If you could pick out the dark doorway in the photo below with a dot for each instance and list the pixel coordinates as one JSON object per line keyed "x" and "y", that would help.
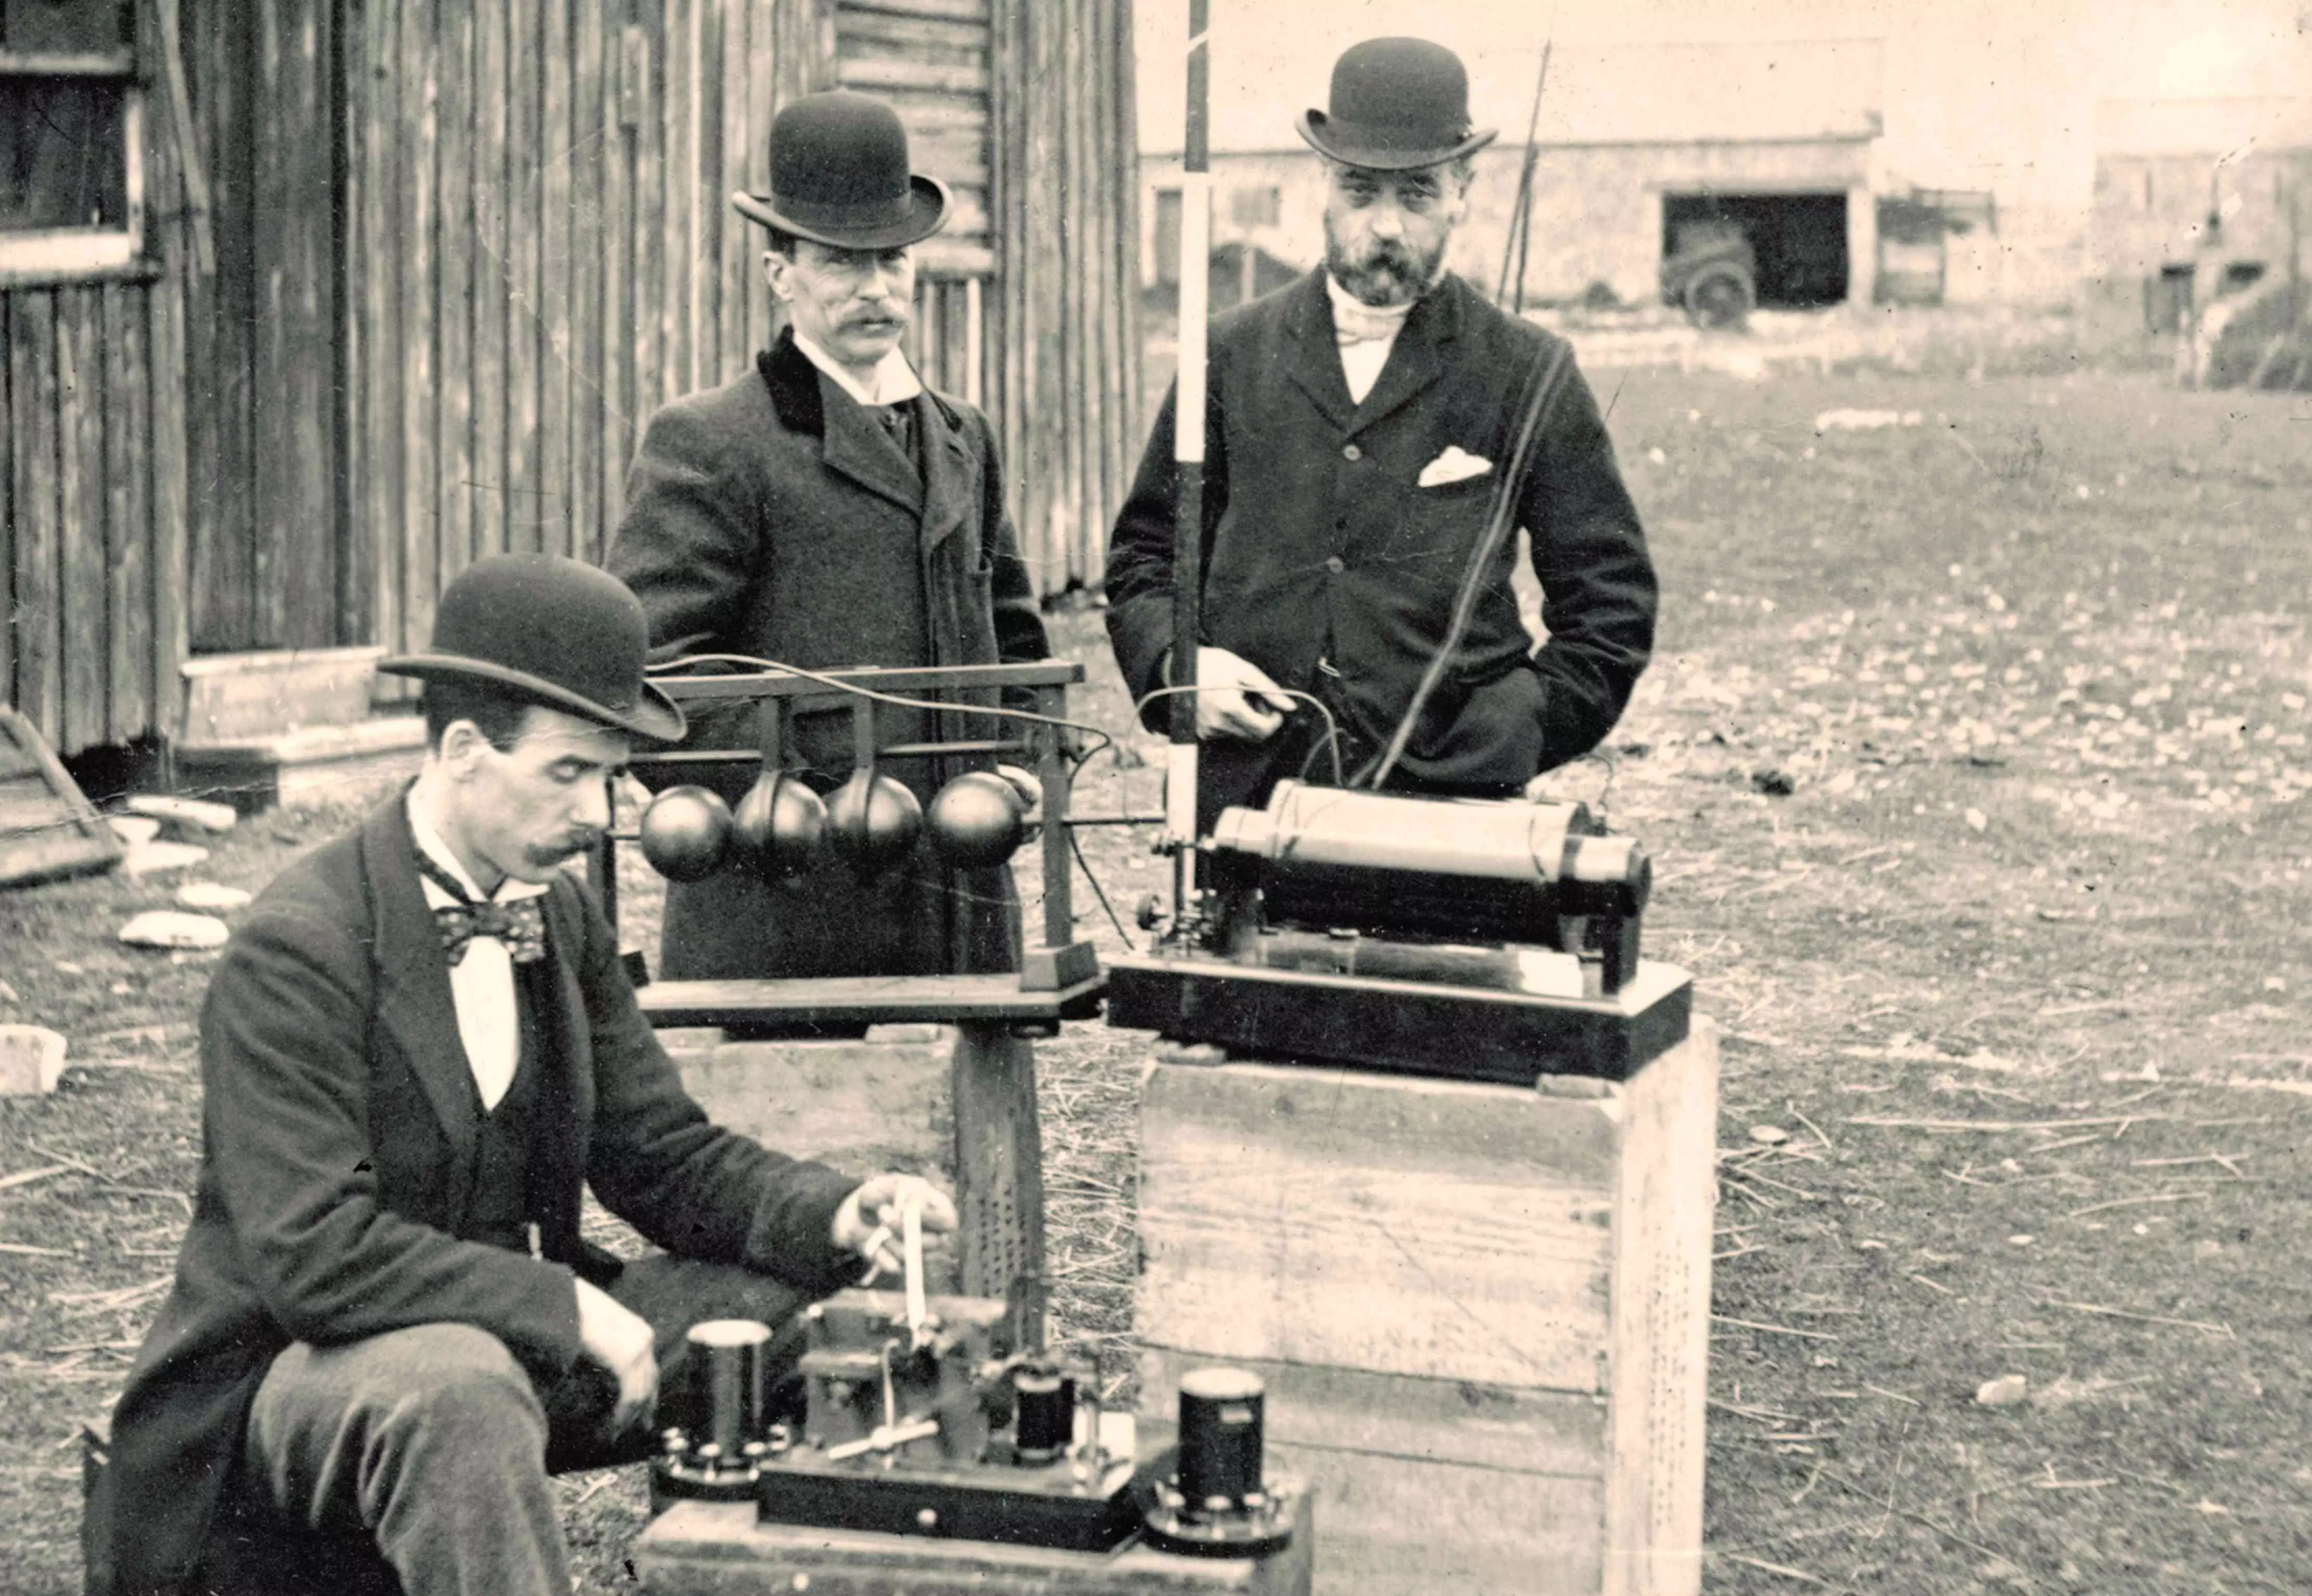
{"x": 1800, "y": 240}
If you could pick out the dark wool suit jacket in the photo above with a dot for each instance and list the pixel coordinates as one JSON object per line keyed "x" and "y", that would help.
{"x": 1320, "y": 545}
{"x": 761, "y": 518}
{"x": 338, "y": 1119}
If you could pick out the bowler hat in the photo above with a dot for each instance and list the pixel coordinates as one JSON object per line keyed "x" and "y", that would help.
{"x": 1396, "y": 105}
{"x": 840, "y": 177}
{"x": 550, "y": 631}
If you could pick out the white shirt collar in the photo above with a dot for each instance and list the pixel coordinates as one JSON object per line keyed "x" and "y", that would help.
{"x": 429, "y": 842}
{"x": 1376, "y": 322}
{"x": 896, "y": 381}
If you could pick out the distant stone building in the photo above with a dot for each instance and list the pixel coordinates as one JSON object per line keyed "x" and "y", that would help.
{"x": 2195, "y": 201}
{"x": 1633, "y": 141}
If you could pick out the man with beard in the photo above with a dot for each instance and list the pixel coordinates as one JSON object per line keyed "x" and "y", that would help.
{"x": 417, "y": 1053}
{"x": 1358, "y": 425}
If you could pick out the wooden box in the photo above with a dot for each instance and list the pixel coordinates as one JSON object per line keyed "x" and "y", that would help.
{"x": 1482, "y": 1311}
{"x": 957, "y": 1103}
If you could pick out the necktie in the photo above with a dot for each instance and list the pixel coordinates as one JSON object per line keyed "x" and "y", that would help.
{"x": 519, "y": 925}
{"x": 897, "y": 419}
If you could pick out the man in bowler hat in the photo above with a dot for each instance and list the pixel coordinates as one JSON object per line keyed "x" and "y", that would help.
{"x": 826, "y": 510}
{"x": 1359, "y": 424}
{"x": 419, "y": 1049}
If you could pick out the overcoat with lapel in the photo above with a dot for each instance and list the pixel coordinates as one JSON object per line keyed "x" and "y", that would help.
{"x": 774, "y": 517}
{"x": 1327, "y": 565}
{"x": 338, "y": 1119}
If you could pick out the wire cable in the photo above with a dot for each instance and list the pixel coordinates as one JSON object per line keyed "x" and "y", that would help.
{"x": 1332, "y": 738}
{"x": 1098, "y": 892}
{"x": 1547, "y": 382}
{"x": 1106, "y": 740}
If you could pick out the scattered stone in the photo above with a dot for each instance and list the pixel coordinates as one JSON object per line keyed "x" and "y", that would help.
{"x": 191, "y": 813}
{"x": 2275, "y": 983}
{"x": 1774, "y": 784}
{"x": 133, "y": 830}
{"x": 8, "y": 994}
{"x": 168, "y": 928}
{"x": 212, "y": 895}
{"x": 2005, "y": 1391}
{"x": 154, "y": 858}
{"x": 1849, "y": 420}
{"x": 31, "y": 1060}
{"x": 1771, "y": 1136}
{"x": 1976, "y": 820}
{"x": 2020, "y": 1241}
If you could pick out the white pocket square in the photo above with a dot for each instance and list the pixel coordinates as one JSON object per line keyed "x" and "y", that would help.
{"x": 1453, "y": 466}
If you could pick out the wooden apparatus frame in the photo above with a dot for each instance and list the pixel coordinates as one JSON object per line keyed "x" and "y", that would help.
{"x": 1058, "y": 979}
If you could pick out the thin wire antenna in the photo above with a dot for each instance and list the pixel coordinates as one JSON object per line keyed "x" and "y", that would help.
{"x": 1548, "y": 382}
{"x": 1189, "y": 456}
{"x": 1521, "y": 230}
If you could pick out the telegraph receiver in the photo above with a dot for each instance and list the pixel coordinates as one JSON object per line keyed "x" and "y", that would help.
{"x": 1482, "y": 939}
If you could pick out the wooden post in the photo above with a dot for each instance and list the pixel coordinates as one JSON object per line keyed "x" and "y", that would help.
{"x": 1482, "y": 1311}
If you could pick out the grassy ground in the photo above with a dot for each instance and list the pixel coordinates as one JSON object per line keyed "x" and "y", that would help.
{"x": 1974, "y": 759}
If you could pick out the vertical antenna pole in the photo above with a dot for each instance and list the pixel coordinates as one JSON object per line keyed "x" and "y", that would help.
{"x": 1189, "y": 456}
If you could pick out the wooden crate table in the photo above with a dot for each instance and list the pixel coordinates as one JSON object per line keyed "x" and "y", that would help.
{"x": 1482, "y": 1311}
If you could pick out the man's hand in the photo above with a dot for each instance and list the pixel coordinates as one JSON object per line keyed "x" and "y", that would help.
{"x": 619, "y": 1339}
{"x": 1236, "y": 698}
{"x": 867, "y": 1222}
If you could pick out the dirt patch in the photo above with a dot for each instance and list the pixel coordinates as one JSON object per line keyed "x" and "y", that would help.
{"x": 1974, "y": 759}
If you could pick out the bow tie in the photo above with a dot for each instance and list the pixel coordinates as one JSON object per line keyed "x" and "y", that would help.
{"x": 520, "y": 924}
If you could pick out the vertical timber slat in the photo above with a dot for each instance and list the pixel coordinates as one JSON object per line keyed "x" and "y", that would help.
{"x": 525, "y": 175}
{"x": 420, "y": 467}
{"x": 32, "y": 385}
{"x": 491, "y": 285}
{"x": 376, "y": 91}
{"x": 80, "y": 458}
{"x": 555, "y": 285}
{"x": 454, "y": 398}
{"x": 592, "y": 243}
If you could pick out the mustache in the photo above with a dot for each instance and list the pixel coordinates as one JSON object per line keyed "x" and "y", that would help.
{"x": 550, "y": 854}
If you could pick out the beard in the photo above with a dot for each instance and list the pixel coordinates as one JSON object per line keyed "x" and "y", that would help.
{"x": 1382, "y": 272}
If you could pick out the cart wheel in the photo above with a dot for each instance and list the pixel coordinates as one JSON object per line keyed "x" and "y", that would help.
{"x": 1719, "y": 296}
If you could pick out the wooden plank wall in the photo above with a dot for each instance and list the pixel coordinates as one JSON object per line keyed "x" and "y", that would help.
{"x": 540, "y": 252}
{"x": 1065, "y": 331}
{"x": 535, "y": 248}
{"x": 93, "y": 485}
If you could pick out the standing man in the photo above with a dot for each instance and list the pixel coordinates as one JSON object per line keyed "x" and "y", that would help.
{"x": 418, "y": 1051}
{"x": 1358, "y": 427}
{"x": 826, "y": 510}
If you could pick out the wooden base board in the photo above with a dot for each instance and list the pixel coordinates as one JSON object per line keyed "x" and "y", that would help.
{"x": 240, "y": 697}
{"x": 1467, "y": 1033}
{"x": 49, "y": 830}
{"x": 699, "y": 1549}
{"x": 320, "y": 764}
{"x": 1482, "y": 1312}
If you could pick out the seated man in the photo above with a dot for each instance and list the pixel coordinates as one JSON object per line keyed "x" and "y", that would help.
{"x": 417, "y": 1052}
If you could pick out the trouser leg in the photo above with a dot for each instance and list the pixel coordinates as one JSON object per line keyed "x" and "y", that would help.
{"x": 433, "y": 1442}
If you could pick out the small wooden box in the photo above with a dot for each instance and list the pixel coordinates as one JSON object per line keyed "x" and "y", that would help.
{"x": 1482, "y": 1311}
{"x": 955, "y": 1103}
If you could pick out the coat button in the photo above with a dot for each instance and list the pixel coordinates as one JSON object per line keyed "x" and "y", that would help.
{"x": 1352, "y": 453}
{"x": 1337, "y": 564}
